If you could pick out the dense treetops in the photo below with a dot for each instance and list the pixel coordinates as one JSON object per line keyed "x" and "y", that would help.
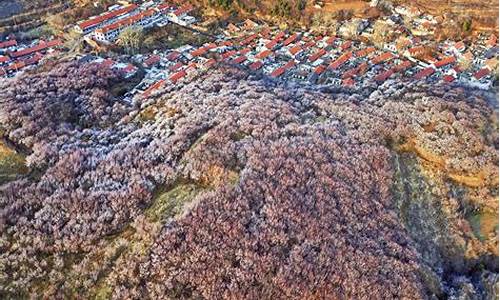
{"x": 294, "y": 198}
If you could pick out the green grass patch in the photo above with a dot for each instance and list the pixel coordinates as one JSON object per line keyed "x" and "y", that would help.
{"x": 170, "y": 37}
{"x": 169, "y": 203}
{"x": 12, "y": 164}
{"x": 483, "y": 224}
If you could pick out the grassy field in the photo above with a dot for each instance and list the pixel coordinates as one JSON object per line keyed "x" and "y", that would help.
{"x": 170, "y": 203}
{"x": 12, "y": 164}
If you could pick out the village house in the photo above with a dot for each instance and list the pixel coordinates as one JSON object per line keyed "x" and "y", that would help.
{"x": 110, "y": 33}
{"x": 42, "y": 46}
{"x": 8, "y": 44}
{"x": 152, "y": 61}
{"x": 126, "y": 70}
{"x": 87, "y": 26}
{"x": 180, "y": 16}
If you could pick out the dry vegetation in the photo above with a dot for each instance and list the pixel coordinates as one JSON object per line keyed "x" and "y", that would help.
{"x": 234, "y": 187}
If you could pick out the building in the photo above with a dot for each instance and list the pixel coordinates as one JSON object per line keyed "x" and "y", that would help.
{"x": 180, "y": 16}
{"x": 87, "y": 26}
{"x": 152, "y": 61}
{"x": 8, "y": 43}
{"x": 256, "y": 65}
{"x": 110, "y": 33}
{"x": 4, "y": 59}
{"x": 42, "y": 46}
{"x": 445, "y": 61}
{"x": 424, "y": 73}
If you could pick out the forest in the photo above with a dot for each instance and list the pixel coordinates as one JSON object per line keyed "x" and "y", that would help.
{"x": 234, "y": 187}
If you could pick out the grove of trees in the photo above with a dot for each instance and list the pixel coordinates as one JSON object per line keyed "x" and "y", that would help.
{"x": 295, "y": 189}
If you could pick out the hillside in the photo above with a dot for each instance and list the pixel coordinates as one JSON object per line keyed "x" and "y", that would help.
{"x": 484, "y": 14}
{"x": 235, "y": 187}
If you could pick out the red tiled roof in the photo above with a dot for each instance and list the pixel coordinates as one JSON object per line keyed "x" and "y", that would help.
{"x": 448, "y": 78}
{"x": 362, "y": 68}
{"x": 279, "y": 36}
{"x": 445, "y": 61}
{"x": 296, "y": 49}
{"x": 264, "y": 54}
{"x": 176, "y": 67}
{"x": 106, "y": 16}
{"x": 309, "y": 44}
{"x": 481, "y": 73}
{"x": 173, "y": 55}
{"x": 7, "y": 44}
{"x": 249, "y": 39}
{"x": 228, "y": 54}
{"x": 271, "y": 44}
{"x": 17, "y": 65}
{"x": 129, "y": 68}
{"x": 382, "y": 57}
{"x": 183, "y": 10}
{"x": 317, "y": 55}
{"x": 424, "y": 73}
{"x": 209, "y": 63}
{"x": 163, "y": 6}
{"x": 211, "y": 46}
{"x": 291, "y": 39}
{"x": 402, "y": 66}
{"x": 348, "y": 82}
{"x": 256, "y": 65}
{"x": 365, "y": 52}
{"x": 319, "y": 69}
{"x": 127, "y": 21}
{"x": 107, "y": 63}
{"x": 350, "y": 73}
{"x": 2, "y": 72}
{"x": 199, "y": 52}
{"x": 152, "y": 88}
{"x": 341, "y": 60}
{"x": 191, "y": 66}
{"x": 265, "y": 32}
{"x": 4, "y": 58}
{"x": 34, "y": 59}
{"x": 176, "y": 76}
{"x": 244, "y": 51}
{"x": 152, "y": 60}
{"x": 330, "y": 41}
{"x": 346, "y": 45}
{"x": 384, "y": 75}
{"x": 238, "y": 60}
{"x": 289, "y": 65}
{"x": 40, "y": 47}
{"x": 278, "y": 72}
{"x": 459, "y": 45}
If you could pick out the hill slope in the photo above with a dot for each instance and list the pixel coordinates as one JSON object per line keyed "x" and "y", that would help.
{"x": 231, "y": 186}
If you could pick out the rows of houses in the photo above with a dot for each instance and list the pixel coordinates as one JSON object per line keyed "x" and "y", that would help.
{"x": 340, "y": 61}
{"x": 317, "y": 59}
{"x": 107, "y": 26}
{"x": 15, "y": 56}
